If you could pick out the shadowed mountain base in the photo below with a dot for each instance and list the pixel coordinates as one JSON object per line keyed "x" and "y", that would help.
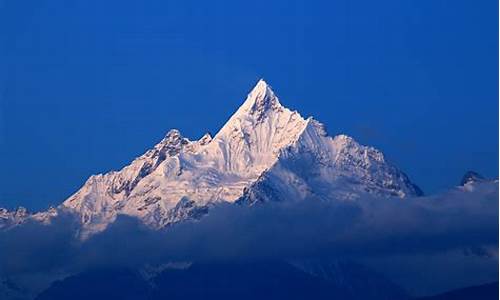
{"x": 269, "y": 280}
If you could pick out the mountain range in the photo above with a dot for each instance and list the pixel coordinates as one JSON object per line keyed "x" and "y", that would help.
{"x": 265, "y": 152}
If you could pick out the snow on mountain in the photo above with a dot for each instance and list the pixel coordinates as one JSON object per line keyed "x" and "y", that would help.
{"x": 201, "y": 172}
{"x": 265, "y": 152}
{"x": 319, "y": 166}
{"x": 9, "y": 219}
{"x": 12, "y": 218}
{"x": 472, "y": 181}
{"x": 471, "y": 177}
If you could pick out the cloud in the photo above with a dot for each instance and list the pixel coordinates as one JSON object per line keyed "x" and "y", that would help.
{"x": 458, "y": 227}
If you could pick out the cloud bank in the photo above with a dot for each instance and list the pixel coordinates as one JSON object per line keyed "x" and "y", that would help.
{"x": 406, "y": 238}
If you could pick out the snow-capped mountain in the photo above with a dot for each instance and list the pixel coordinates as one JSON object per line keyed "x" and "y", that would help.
{"x": 471, "y": 177}
{"x": 265, "y": 152}
{"x": 472, "y": 181}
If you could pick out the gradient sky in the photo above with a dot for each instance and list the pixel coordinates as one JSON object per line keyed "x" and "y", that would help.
{"x": 86, "y": 86}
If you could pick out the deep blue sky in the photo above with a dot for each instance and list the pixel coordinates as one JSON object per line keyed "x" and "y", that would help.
{"x": 86, "y": 86}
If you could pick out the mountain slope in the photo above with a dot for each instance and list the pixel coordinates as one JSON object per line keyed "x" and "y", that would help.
{"x": 227, "y": 280}
{"x": 265, "y": 152}
{"x": 319, "y": 166}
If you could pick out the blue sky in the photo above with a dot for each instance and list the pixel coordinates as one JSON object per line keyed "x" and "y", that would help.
{"x": 86, "y": 86}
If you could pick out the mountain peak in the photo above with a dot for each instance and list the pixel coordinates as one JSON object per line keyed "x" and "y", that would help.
{"x": 471, "y": 176}
{"x": 261, "y": 85}
{"x": 261, "y": 100}
{"x": 172, "y": 143}
{"x": 173, "y": 134}
{"x": 265, "y": 151}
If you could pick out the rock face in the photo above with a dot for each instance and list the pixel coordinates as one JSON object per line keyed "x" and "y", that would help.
{"x": 265, "y": 152}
